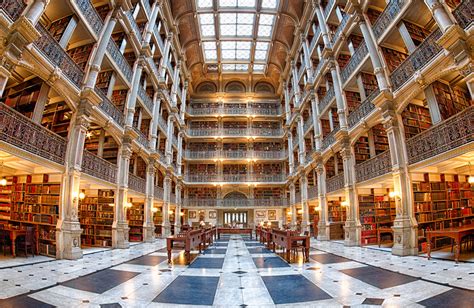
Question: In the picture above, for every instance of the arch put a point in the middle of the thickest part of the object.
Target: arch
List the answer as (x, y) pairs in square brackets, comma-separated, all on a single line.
[(206, 87), (264, 87), (235, 195), (235, 87)]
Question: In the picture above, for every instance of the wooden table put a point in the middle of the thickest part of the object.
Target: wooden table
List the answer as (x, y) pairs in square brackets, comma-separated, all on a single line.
[(286, 239), (234, 231), (381, 231), (190, 239), (456, 233), (14, 233), (266, 236)]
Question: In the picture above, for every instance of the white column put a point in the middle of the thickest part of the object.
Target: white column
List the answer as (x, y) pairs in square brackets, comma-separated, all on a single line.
[(177, 216), (133, 93), (296, 87), (440, 14), (340, 101), (179, 159), (154, 121), (120, 227), (166, 228), (323, 224), (41, 102), (165, 58), (291, 159), (36, 10), (307, 56), (316, 122), (322, 25), (305, 224), (287, 101), (148, 225), (151, 23), (169, 140), (183, 103), (292, 205), (302, 148)]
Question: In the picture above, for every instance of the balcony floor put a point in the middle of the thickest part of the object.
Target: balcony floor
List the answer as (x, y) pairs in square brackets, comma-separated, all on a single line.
[(335, 276)]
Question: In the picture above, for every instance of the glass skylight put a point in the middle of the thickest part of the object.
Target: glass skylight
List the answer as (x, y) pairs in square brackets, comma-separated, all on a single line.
[(261, 50), (204, 4), (207, 25), (235, 50), (236, 24), (210, 50), (237, 3), (265, 25), (235, 67), (258, 67), (269, 4)]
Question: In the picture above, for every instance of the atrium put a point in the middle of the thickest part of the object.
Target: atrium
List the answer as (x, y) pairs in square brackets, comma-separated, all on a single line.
[(236, 153)]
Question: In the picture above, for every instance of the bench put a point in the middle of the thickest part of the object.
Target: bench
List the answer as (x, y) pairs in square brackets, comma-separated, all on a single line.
[(234, 231)]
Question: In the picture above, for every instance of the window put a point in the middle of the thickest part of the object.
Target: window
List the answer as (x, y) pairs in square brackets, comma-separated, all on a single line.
[(236, 24), (237, 3), (207, 25), (265, 25)]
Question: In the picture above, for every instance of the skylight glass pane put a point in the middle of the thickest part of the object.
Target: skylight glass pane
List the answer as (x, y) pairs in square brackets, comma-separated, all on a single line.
[(245, 18), (207, 30), (209, 45), (228, 30), (228, 18), (269, 4), (262, 46), (243, 45), (210, 54), (266, 19), (228, 67), (244, 30), (246, 3), (260, 55), (204, 3), (206, 19), (243, 54), (241, 67), (228, 45), (264, 31), (258, 67), (228, 54), (228, 3)]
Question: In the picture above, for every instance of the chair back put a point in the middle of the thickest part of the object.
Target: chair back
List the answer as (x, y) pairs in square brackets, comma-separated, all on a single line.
[(30, 235)]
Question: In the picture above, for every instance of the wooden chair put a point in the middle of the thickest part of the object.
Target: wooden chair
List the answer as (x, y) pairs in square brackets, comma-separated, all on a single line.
[(298, 245), (28, 241), (4, 240)]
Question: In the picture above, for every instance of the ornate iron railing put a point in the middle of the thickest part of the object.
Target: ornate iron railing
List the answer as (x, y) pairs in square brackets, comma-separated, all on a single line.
[(13, 8), (295, 141), (326, 100), (162, 158), (134, 25), (365, 108), (355, 61), (388, 15), (309, 156), (136, 183), (147, 101), (119, 59), (339, 29), (98, 167), (329, 139), (201, 178), (335, 183), (91, 15), (158, 192), (235, 178), (142, 138), (20, 131), (463, 13), (422, 55), (58, 56), (110, 109), (233, 202), (374, 167), (315, 39), (312, 192), (235, 154), (452, 133), (266, 132), (269, 154), (201, 154)]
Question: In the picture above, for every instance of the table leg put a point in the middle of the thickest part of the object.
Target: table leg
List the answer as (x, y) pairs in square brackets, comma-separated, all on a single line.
[(288, 257), (13, 247), (307, 254), (457, 250), (428, 247)]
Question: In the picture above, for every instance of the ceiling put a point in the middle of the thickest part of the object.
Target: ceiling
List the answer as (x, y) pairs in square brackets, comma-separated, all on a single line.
[(228, 38)]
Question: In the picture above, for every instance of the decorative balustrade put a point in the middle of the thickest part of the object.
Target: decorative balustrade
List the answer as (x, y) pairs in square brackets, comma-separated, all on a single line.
[(312, 192), (309, 156), (152, 65), (298, 198), (365, 108), (109, 108), (328, 8), (141, 138), (355, 61), (90, 15), (162, 158), (327, 99), (161, 45), (158, 192), (21, 132), (318, 68), (50, 48), (450, 134), (136, 183), (235, 111), (98, 167), (174, 140), (134, 25), (329, 139), (201, 154), (463, 13), (234, 202), (270, 154), (335, 183), (374, 167), (382, 23), (230, 154), (235, 178), (295, 141), (307, 124), (119, 59), (13, 8), (422, 55), (172, 198), (147, 101), (339, 29), (235, 154), (268, 132), (203, 132), (234, 131)]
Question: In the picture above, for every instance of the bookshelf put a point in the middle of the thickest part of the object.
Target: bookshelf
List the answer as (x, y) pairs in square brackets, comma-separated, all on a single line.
[(268, 193), (361, 149), (135, 216), (393, 58), (6, 199), (57, 117), (441, 202), (103, 80), (416, 119), (57, 27), (119, 98), (385, 212), (369, 81), (367, 219), (81, 54), (202, 192), (450, 100), (353, 100), (343, 59), (23, 97), (96, 217), (380, 139), (417, 33), (336, 212)]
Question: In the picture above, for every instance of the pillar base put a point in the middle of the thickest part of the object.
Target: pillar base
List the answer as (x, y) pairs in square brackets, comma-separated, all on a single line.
[(404, 237), (149, 234), (69, 240), (120, 235), (352, 231), (177, 229), (323, 232)]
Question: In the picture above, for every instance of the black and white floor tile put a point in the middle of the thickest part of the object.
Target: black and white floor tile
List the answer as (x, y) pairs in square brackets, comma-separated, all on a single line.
[(238, 272)]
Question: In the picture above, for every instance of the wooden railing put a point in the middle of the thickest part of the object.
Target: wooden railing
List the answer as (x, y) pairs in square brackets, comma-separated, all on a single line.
[(374, 167), (98, 167), (450, 134), (21, 132)]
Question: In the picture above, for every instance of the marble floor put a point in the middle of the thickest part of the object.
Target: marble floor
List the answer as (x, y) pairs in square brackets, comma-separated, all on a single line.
[(239, 272)]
